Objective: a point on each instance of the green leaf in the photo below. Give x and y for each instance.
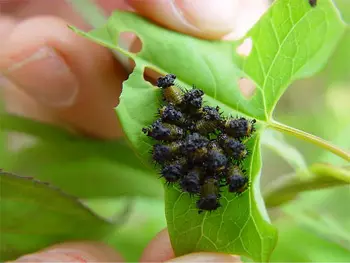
(64, 159)
(107, 169)
(35, 214)
(291, 41)
(240, 227)
(276, 142)
(318, 176)
(320, 218)
(325, 213)
(297, 244)
(296, 41)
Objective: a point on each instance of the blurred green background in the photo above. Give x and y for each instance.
(315, 227)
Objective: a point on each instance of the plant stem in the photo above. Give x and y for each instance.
(310, 138)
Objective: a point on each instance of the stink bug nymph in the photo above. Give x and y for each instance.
(209, 196)
(232, 147)
(239, 128)
(164, 131)
(237, 181)
(171, 93)
(167, 152)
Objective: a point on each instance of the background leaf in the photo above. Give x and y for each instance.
(108, 168)
(35, 215)
(291, 41)
(318, 176)
(298, 244)
(276, 142)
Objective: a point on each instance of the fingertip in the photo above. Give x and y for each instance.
(206, 257)
(207, 19)
(159, 249)
(74, 252)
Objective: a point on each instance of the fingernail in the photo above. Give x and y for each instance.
(45, 76)
(206, 257)
(208, 15)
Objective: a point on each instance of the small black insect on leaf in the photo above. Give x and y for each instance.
(166, 81)
(166, 152)
(193, 100)
(209, 196)
(239, 128)
(313, 3)
(191, 182)
(210, 120)
(237, 181)
(173, 172)
(197, 148)
(164, 131)
(216, 160)
(232, 147)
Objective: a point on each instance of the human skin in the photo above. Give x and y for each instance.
(49, 73)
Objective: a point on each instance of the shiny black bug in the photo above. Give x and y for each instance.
(170, 114)
(164, 131)
(173, 172)
(239, 128)
(216, 159)
(237, 181)
(313, 3)
(209, 196)
(192, 100)
(191, 182)
(232, 147)
(196, 148)
(162, 153)
(211, 120)
(171, 93)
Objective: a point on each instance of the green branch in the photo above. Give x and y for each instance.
(317, 176)
(311, 138)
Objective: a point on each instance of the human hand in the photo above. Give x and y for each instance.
(56, 76)
(158, 250)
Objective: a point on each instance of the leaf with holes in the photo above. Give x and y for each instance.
(286, 46)
(35, 215)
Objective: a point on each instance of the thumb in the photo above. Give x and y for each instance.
(74, 252)
(208, 19)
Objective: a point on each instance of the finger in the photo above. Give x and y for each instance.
(206, 257)
(74, 252)
(159, 249)
(75, 80)
(249, 13)
(207, 19)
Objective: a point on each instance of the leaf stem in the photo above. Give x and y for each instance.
(310, 138)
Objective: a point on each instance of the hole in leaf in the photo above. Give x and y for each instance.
(150, 75)
(247, 87)
(129, 41)
(245, 48)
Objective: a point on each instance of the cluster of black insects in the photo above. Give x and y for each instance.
(197, 147)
